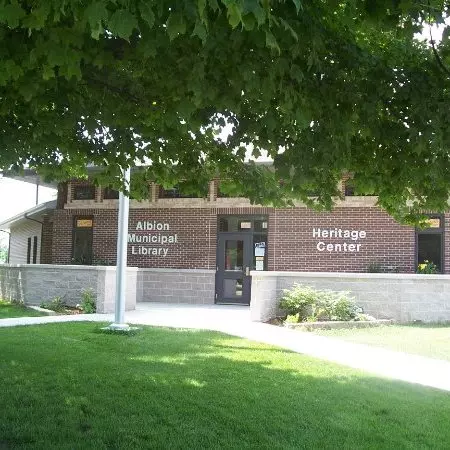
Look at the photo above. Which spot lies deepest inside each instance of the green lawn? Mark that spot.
(14, 310)
(426, 340)
(68, 386)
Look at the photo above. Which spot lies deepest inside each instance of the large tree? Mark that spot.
(324, 87)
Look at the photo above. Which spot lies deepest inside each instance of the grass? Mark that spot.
(69, 386)
(8, 309)
(427, 340)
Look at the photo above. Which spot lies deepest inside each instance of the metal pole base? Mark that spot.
(120, 328)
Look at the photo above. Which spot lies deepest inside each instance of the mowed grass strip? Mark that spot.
(431, 340)
(8, 309)
(70, 386)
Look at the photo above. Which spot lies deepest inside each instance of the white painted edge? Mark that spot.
(355, 275)
(43, 310)
(63, 267)
(168, 270)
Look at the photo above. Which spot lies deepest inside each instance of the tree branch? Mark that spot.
(435, 52)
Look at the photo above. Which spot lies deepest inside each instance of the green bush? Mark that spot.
(427, 267)
(299, 301)
(57, 305)
(88, 301)
(308, 304)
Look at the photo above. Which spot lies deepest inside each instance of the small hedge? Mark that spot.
(304, 303)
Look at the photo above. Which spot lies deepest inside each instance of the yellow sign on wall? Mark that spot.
(84, 223)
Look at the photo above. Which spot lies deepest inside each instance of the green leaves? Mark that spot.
(320, 88)
(122, 23)
(200, 31)
(271, 42)
(147, 13)
(176, 25)
(234, 14)
(95, 14)
(298, 5)
(11, 13)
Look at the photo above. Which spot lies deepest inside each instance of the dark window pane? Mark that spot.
(230, 223)
(243, 223)
(84, 192)
(110, 194)
(260, 225)
(349, 190)
(179, 192)
(29, 251)
(429, 248)
(234, 255)
(232, 288)
(82, 240)
(35, 242)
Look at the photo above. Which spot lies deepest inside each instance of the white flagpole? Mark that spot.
(121, 266)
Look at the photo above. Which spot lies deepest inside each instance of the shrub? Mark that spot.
(57, 305)
(309, 304)
(88, 301)
(298, 300)
(427, 267)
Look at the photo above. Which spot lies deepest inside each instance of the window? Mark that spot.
(32, 243)
(244, 223)
(110, 194)
(350, 191)
(430, 243)
(29, 251)
(35, 242)
(257, 227)
(82, 236)
(84, 192)
(178, 191)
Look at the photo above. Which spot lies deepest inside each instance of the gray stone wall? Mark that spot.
(35, 283)
(196, 286)
(403, 297)
(11, 283)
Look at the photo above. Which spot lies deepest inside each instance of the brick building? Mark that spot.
(228, 236)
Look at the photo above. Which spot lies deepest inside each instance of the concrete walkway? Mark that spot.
(235, 320)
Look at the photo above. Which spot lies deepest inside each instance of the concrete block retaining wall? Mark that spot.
(402, 297)
(35, 283)
(195, 286)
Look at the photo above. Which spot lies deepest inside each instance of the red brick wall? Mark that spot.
(46, 240)
(291, 244)
(294, 248)
(62, 236)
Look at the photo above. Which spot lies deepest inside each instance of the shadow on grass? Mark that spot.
(68, 386)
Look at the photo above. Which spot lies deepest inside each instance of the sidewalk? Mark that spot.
(235, 320)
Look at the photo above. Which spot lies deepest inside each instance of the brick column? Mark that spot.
(213, 189)
(69, 192)
(62, 195)
(154, 192)
(98, 194)
(46, 240)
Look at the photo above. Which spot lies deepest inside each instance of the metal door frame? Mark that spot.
(221, 273)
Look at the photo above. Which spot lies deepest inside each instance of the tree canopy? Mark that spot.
(324, 87)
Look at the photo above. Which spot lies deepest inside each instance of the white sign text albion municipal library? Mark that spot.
(153, 234)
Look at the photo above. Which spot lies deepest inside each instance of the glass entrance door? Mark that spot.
(234, 261)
